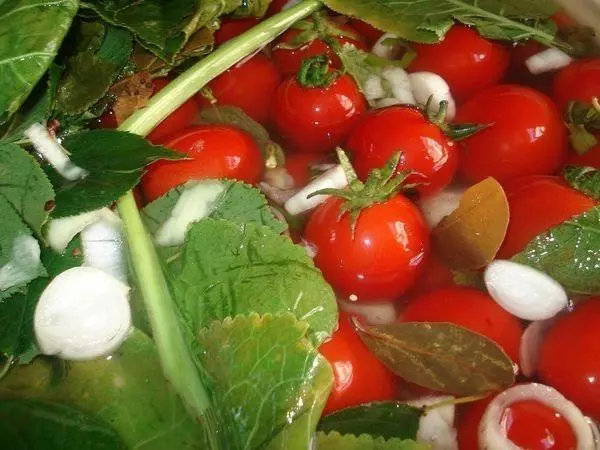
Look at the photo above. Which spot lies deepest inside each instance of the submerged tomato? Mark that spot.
(380, 259)
(467, 61)
(299, 166)
(580, 80)
(231, 28)
(368, 32)
(569, 358)
(591, 158)
(216, 151)
(425, 149)
(471, 309)
(526, 135)
(358, 376)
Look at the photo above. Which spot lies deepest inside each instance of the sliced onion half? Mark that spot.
(492, 436)
(531, 342)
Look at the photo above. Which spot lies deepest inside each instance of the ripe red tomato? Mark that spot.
(526, 135)
(231, 28)
(288, 61)
(436, 275)
(425, 149)
(298, 166)
(358, 376)
(316, 119)
(580, 80)
(468, 308)
(217, 151)
(381, 259)
(467, 61)
(368, 32)
(276, 6)
(537, 203)
(591, 158)
(250, 86)
(518, 72)
(182, 117)
(569, 356)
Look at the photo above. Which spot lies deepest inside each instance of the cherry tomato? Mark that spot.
(106, 120)
(425, 149)
(526, 135)
(468, 62)
(368, 32)
(538, 203)
(590, 158)
(298, 166)
(250, 86)
(358, 376)
(288, 61)
(316, 119)
(217, 151)
(181, 118)
(381, 259)
(569, 356)
(435, 275)
(580, 80)
(519, 73)
(231, 28)
(276, 6)
(468, 308)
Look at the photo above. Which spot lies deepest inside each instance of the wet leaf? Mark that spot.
(337, 441)
(441, 356)
(132, 93)
(470, 237)
(584, 179)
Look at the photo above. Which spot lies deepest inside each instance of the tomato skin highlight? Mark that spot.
(580, 80)
(384, 256)
(526, 135)
(425, 149)
(217, 151)
(467, 61)
(471, 309)
(231, 28)
(316, 120)
(536, 204)
(569, 356)
(359, 377)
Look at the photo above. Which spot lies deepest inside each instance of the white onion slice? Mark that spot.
(103, 246)
(399, 83)
(373, 88)
(436, 426)
(547, 61)
(60, 232)
(373, 313)
(436, 207)
(492, 436)
(429, 84)
(24, 265)
(334, 178)
(531, 342)
(386, 51)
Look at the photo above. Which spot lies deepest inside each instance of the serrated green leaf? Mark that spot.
(584, 179)
(229, 270)
(569, 253)
(265, 374)
(336, 441)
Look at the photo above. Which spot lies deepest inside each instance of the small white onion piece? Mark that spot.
(49, 148)
(103, 247)
(436, 207)
(523, 291)
(399, 83)
(373, 88)
(547, 61)
(60, 232)
(492, 436)
(25, 264)
(84, 313)
(334, 178)
(374, 313)
(531, 342)
(429, 84)
(386, 51)
(436, 426)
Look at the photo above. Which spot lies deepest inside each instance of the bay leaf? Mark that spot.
(441, 356)
(470, 237)
(132, 93)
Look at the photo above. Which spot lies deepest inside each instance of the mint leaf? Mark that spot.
(385, 419)
(336, 441)
(34, 424)
(428, 21)
(569, 253)
(25, 186)
(228, 269)
(265, 374)
(584, 179)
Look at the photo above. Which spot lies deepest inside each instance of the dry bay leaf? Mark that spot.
(132, 93)
(441, 356)
(470, 237)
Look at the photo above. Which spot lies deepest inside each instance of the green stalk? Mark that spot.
(176, 360)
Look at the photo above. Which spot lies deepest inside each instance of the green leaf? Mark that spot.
(31, 424)
(24, 184)
(265, 373)
(229, 269)
(584, 179)
(569, 253)
(428, 20)
(336, 441)
(385, 419)
(128, 391)
(32, 32)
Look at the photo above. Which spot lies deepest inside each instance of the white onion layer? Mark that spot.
(428, 84)
(436, 207)
(436, 426)
(385, 51)
(24, 265)
(334, 178)
(547, 61)
(531, 342)
(103, 246)
(399, 83)
(373, 313)
(60, 232)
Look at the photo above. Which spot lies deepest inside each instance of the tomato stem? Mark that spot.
(315, 73)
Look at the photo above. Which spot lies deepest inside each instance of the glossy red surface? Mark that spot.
(578, 81)
(231, 28)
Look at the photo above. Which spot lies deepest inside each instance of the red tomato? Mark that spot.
(468, 308)
(519, 73)
(217, 151)
(468, 62)
(526, 135)
(276, 6)
(425, 148)
(181, 118)
(569, 356)
(580, 80)
(316, 119)
(250, 86)
(358, 376)
(288, 61)
(435, 275)
(529, 424)
(590, 158)
(368, 32)
(298, 166)
(538, 203)
(231, 28)
(381, 259)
